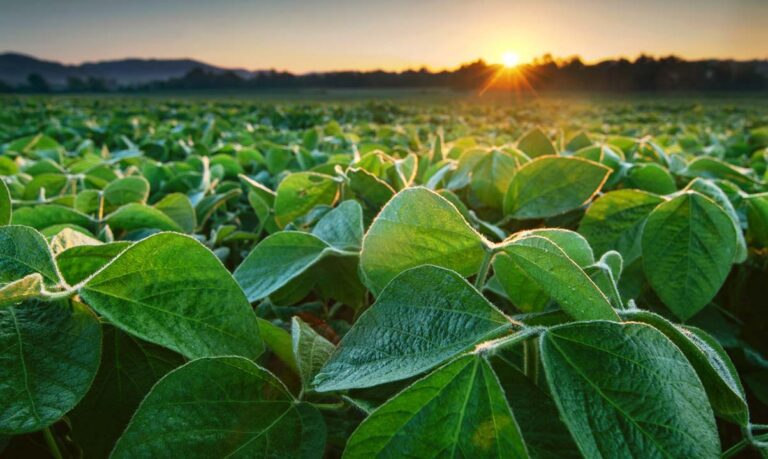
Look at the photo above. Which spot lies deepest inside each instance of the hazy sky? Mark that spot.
(391, 34)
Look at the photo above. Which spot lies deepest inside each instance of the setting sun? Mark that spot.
(510, 59)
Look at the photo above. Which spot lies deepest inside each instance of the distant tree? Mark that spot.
(5, 87)
(37, 83)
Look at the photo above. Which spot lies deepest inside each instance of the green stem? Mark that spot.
(531, 359)
(484, 268)
(735, 449)
(52, 445)
(328, 406)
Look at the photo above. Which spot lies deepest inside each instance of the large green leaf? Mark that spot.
(710, 361)
(5, 204)
(222, 407)
(457, 411)
(298, 193)
(556, 274)
(424, 317)
(171, 290)
(624, 390)
(553, 185)
(418, 227)
(615, 222)
(278, 259)
(688, 246)
(23, 251)
(49, 354)
(129, 368)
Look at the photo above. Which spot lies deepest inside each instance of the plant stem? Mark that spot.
(484, 268)
(328, 406)
(735, 449)
(531, 359)
(52, 445)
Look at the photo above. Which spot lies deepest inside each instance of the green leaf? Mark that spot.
(299, 193)
(491, 176)
(178, 208)
(424, 317)
(689, 244)
(624, 390)
(557, 274)
(708, 358)
(136, 216)
(418, 227)
(757, 217)
(222, 407)
(615, 222)
(24, 251)
(50, 353)
(277, 260)
(77, 263)
(709, 189)
(5, 204)
(170, 290)
(553, 185)
(535, 143)
(279, 341)
(524, 292)
(43, 216)
(652, 178)
(457, 411)
(342, 227)
(126, 190)
(129, 368)
(370, 189)
(310, 350)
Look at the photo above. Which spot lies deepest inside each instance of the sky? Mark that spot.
(322, 35)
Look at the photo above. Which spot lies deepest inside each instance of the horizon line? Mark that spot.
(429, 68)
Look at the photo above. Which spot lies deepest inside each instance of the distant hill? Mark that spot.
(15, 68)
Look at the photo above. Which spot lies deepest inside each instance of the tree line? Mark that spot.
(546, 73)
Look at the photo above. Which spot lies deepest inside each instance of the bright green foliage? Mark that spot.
(525, 292)
(558, 275)
(310, 350)
(78, 263)
(43, 216)
(170, 290)
(5, 204)
(342, 227)
(457, 411)
(553, 185)
(491, 176)
(625, 390)
(300, 192)
(277, 260)
(136, 216)
(179, 209)
(688, 247)
(418, 227)
(710, 361)
(535, 143)
(23, 251)
(49, 354)
(126, 190)
(207, 408)
(615, 222)
(424, 317)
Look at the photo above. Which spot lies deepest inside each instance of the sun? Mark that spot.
(510, 59)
